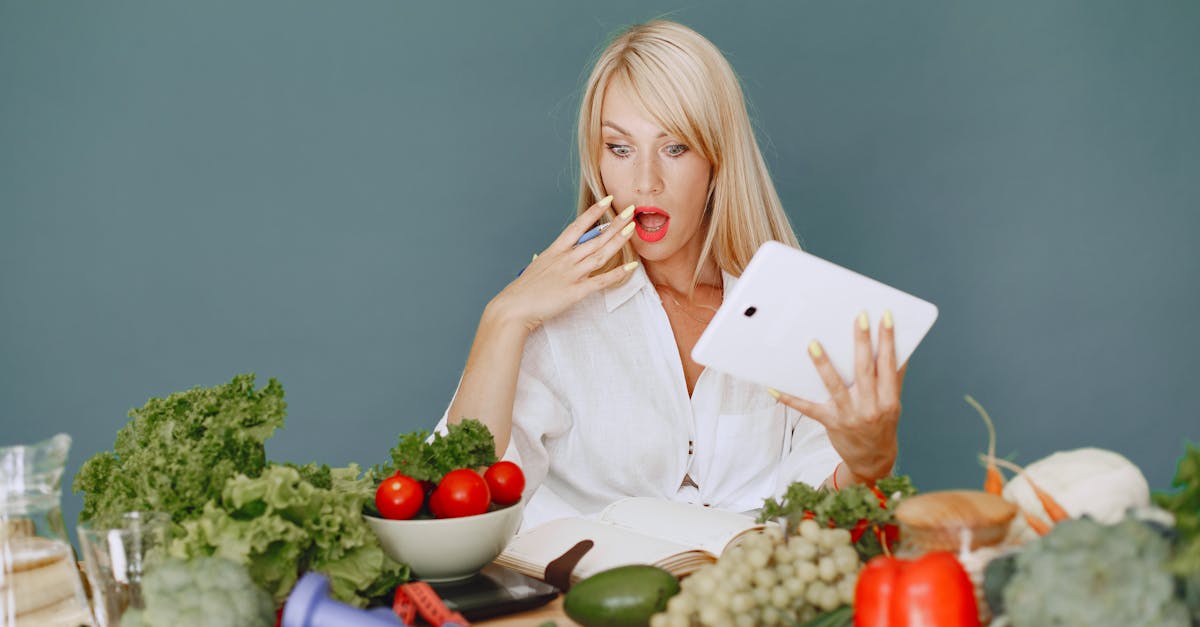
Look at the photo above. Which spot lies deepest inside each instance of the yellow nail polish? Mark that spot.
(887, 319)
(628, 212)
(814, 349)
(863, 322)
(630, 266)
(534, 258)
(628, 229)
(604, 202)
(774, 392)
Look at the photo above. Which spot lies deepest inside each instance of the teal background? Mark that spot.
(329, 192)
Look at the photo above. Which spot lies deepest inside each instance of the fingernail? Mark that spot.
(863, 322)
(605, 201)
(887, 319)
(814, 349)
(630, 266)
(628, 212)
(534, 258)
(774, 392)
(628, 229)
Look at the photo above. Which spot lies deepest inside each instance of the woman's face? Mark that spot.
(642, 165)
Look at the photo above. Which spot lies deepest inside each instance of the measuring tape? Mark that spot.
(418, 597)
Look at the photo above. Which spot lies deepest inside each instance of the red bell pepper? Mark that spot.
(931, 591)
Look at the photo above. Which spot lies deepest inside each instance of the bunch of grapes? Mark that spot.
(769, 580)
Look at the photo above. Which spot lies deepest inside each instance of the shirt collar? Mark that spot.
(617, 295)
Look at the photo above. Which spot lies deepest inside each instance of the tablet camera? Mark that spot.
(750, 311)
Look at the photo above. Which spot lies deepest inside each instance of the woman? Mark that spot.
(582, 367)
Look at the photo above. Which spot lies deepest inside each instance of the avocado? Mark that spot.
(626, 596)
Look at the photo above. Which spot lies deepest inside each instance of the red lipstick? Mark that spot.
(651, 222)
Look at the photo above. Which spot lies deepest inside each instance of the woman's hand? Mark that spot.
(560, 276)
(860, 420)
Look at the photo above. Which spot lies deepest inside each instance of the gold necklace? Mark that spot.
(682, 308)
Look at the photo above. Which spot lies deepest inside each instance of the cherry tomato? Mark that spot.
(461, 492)
(399, 497)
(506, 482)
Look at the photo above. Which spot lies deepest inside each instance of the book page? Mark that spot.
(530, 551)
(694, 526)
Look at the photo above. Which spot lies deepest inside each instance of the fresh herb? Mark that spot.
(1185, 505)
(468, 444)
(848, 508)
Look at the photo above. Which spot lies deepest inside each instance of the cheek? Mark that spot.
(612, 177)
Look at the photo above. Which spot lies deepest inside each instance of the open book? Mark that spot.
(676, 537)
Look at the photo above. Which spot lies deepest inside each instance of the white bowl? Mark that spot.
(447, 549)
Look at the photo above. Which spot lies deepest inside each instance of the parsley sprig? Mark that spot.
(468, 444)
(845, 507)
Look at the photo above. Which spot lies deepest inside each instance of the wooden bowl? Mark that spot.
(937, 521)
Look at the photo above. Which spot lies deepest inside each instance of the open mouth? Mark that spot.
(651, 222)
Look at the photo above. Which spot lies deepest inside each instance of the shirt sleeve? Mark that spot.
(538, 413)
(808, 455)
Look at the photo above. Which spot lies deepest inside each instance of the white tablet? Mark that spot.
(785, 299)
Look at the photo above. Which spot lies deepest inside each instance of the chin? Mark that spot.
(657, 251)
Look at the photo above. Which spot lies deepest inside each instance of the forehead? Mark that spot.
(620, 111)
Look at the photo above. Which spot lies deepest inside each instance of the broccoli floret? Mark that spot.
(1087, 573)
(199, 592)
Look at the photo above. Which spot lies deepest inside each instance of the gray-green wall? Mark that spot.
(329, 192)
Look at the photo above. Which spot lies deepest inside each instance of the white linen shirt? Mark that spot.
(602, 412)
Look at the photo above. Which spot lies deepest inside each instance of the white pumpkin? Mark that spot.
(1092, 481)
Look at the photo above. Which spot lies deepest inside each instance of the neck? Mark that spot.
(676, 271)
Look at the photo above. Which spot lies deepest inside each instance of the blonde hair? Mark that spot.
(688, 88)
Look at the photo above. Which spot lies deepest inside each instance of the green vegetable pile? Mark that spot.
(200, 592)
(845, 507)
(199, 456)
(1185, 506)
(468, 444)
(1087, 573)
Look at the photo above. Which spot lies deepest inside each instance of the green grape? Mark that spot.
(826, 569)
(845, 589)
(765, 578)
(810, 530)
(741, 603)
(780, 597)
(806, 571)
(802, 548)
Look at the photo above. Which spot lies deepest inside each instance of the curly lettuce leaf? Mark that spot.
(279, 525)
(176, 453)
(468, 444)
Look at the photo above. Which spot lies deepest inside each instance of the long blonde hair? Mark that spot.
(688, 87)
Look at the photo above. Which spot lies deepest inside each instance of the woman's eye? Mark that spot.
(620, 150)
(676, 149)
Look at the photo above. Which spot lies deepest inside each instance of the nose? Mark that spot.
(648, 177)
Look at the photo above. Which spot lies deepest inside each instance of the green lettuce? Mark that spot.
(176, 453)
(199, 456)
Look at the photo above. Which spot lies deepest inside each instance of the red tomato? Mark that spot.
(506, 482)
(461, 492)
(399, 497)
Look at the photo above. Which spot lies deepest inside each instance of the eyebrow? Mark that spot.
(625, 132)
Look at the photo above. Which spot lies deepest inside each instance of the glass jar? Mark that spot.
(39, 576)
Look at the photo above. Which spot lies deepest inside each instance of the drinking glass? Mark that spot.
(117, 551)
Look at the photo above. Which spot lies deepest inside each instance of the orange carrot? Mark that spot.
(994, 483)
(1038, 525)
(1053, 509)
